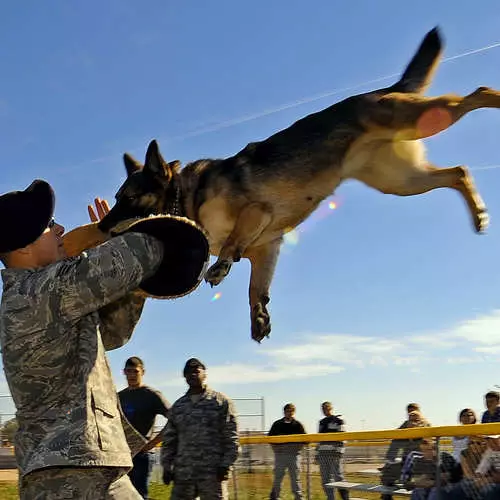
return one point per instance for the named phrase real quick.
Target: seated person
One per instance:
(465, 417)
(423, 473)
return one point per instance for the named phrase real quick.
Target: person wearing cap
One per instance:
(141, 404)
(200, 441)
(58, 316)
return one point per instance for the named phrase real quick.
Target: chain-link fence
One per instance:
(421, 463)
(424, 463)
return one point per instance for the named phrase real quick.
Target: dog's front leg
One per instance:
(251, 222)
(263, 260)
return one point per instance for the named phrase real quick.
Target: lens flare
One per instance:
(216, 296)
(292, 237)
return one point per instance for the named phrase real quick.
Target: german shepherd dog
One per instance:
(247, 202)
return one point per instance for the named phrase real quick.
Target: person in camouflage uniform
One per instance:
(200, 441)
(58, 316)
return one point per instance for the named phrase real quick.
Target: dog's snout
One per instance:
(107, 222)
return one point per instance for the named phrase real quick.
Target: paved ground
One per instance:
(351, 468)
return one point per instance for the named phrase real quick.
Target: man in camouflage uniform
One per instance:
(200, 441)
(58, 316)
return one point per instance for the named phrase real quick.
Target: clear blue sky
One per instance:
(380, 302)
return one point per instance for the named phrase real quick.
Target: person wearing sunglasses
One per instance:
(58, 316)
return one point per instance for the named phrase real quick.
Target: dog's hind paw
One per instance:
(481, 221)
(217, 272)
(261, 322)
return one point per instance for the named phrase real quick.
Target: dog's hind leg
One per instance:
(413, 116)
(251, 222)
(401, 169)
(263, 260)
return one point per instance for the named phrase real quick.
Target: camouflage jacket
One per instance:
(55, 325)
(200, 436)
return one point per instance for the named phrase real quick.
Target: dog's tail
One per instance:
(419, 72)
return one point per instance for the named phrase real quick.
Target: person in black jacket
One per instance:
(423, 472)
(287, 455)
(330, 454)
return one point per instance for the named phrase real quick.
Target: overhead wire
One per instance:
(270, 111)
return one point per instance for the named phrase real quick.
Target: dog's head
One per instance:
(149, 189)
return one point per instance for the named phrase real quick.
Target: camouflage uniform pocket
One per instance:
(105, 421)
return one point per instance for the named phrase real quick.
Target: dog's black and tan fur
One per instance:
(248, 201)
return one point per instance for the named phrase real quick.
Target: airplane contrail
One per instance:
(260, 114)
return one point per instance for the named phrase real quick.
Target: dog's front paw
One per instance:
(217, 272)
(481, 221)
(261, 322)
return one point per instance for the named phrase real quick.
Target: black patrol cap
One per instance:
(24, 215)
(192, 363)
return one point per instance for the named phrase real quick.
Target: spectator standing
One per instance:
(330, 454)
(141, 404)
(287, 455)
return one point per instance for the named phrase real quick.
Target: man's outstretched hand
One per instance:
(100, 211)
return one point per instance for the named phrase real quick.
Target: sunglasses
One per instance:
(51, 223)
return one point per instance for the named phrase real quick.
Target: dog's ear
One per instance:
(174, 166)
(155, 164)
(131, 164)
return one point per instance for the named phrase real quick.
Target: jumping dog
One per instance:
(247, 202)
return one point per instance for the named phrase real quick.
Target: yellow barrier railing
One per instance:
(378, 438)
(382, 442)
(413, 433)
(385, 442)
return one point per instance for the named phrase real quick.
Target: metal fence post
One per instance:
(235, 483)
(247, 454)
(308, 470)
(438, 469)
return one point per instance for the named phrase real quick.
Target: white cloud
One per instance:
(464, 360)
(483, 330)
(406, 360)
(433, 341)
(493, 349)
(344, 349)
(244, 374)
(314, 355)
(472, 341)
(241, 373)
(310, 355)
